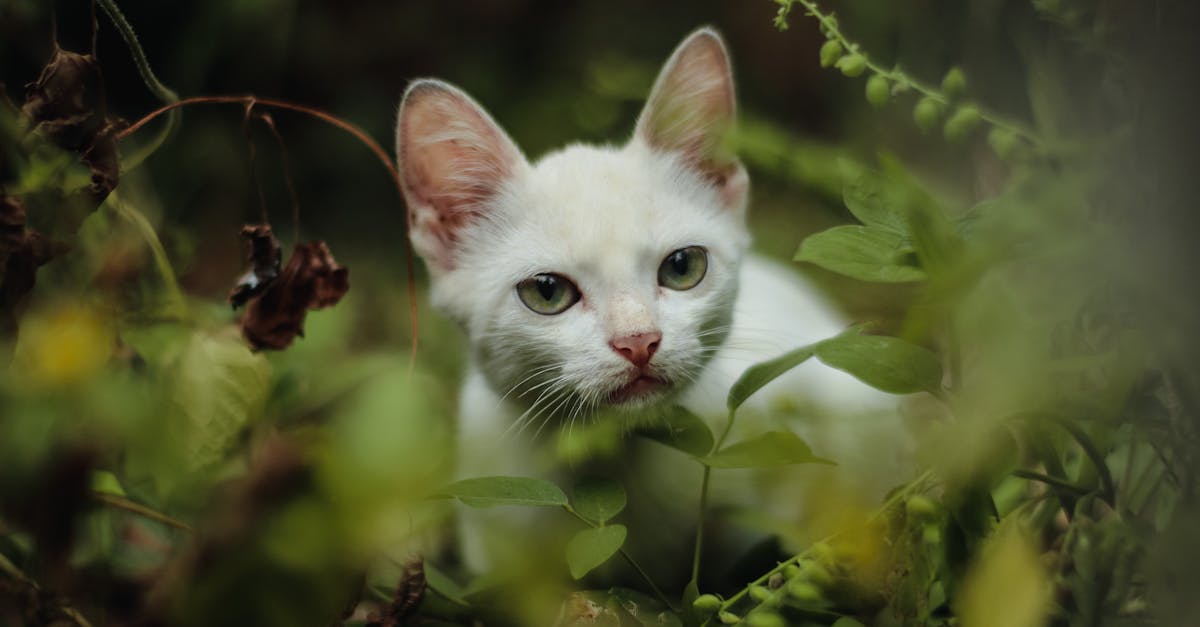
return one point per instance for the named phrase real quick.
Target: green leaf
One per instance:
(885, 363)
(773, 448)
(867, 197)
(219, 387)
(762, 373)
(441, 583)
(592, 547)
(489, 491)
(861, 252)
(598, 499)
(681, 430)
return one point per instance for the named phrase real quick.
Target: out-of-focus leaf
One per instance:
(1007, 586)
(868, 198)
(592, 547)
(489, 491)
(773, 448)
(598, 499)
(682, 430)
(760, 374)
(862, 252)
(219, 387)
(885, 363)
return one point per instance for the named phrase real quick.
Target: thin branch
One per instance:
(122, 503)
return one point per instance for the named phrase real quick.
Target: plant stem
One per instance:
(1051, 481)
(1093, 454)
(704, 499)
(899, 77)
(177, 304)
(120, 502)
(11, 569)
(160, 91)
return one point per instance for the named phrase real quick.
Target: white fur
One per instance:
(605, 217)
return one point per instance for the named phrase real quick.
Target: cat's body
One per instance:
(602, 281)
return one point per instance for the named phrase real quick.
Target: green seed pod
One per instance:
(954, 84)
(803, 591)
(791, 571)
(759, 593)
(831, 51)
(931, 536)
(729, 618)
(816, 573)
(765, 619)
(878, 91)
(1004, 142)
(926, 114)
(920, 507)
(961, 123)
(852, 65)
(706, 604)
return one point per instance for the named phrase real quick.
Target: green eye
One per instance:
(548, 294)
(684, 268)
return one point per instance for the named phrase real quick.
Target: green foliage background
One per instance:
(153, 470)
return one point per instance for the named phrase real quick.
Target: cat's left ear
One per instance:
(691, 111)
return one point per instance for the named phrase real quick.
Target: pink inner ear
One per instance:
(453, 160)
(692, 106)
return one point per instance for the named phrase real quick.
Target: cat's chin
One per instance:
(639, 392)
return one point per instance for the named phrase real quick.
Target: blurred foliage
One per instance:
(1003, 190)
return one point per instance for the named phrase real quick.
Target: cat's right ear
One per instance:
(453, 160)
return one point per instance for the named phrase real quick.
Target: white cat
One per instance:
(601, 278)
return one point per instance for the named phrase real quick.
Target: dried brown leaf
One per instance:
(265, 256)
(310, 280)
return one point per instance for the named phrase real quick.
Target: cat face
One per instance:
(597, 277)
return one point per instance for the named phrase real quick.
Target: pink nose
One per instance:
(638, 349)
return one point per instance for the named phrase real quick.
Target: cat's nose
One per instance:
(639, 348)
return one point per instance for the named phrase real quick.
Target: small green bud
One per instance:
(706, 604)
(831, 51)
(759, 593)
(729, 618)
(961, 123)
(852, 65)
(1004, 142)
(926, 114)
(791, 571)
(765, 619)
(878, 91)
(920, 507)
(803, 591)
(931, 536)
(954, 84)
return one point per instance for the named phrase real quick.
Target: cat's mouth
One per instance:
(638, 389)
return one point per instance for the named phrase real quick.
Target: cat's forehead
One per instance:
(616, 197)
